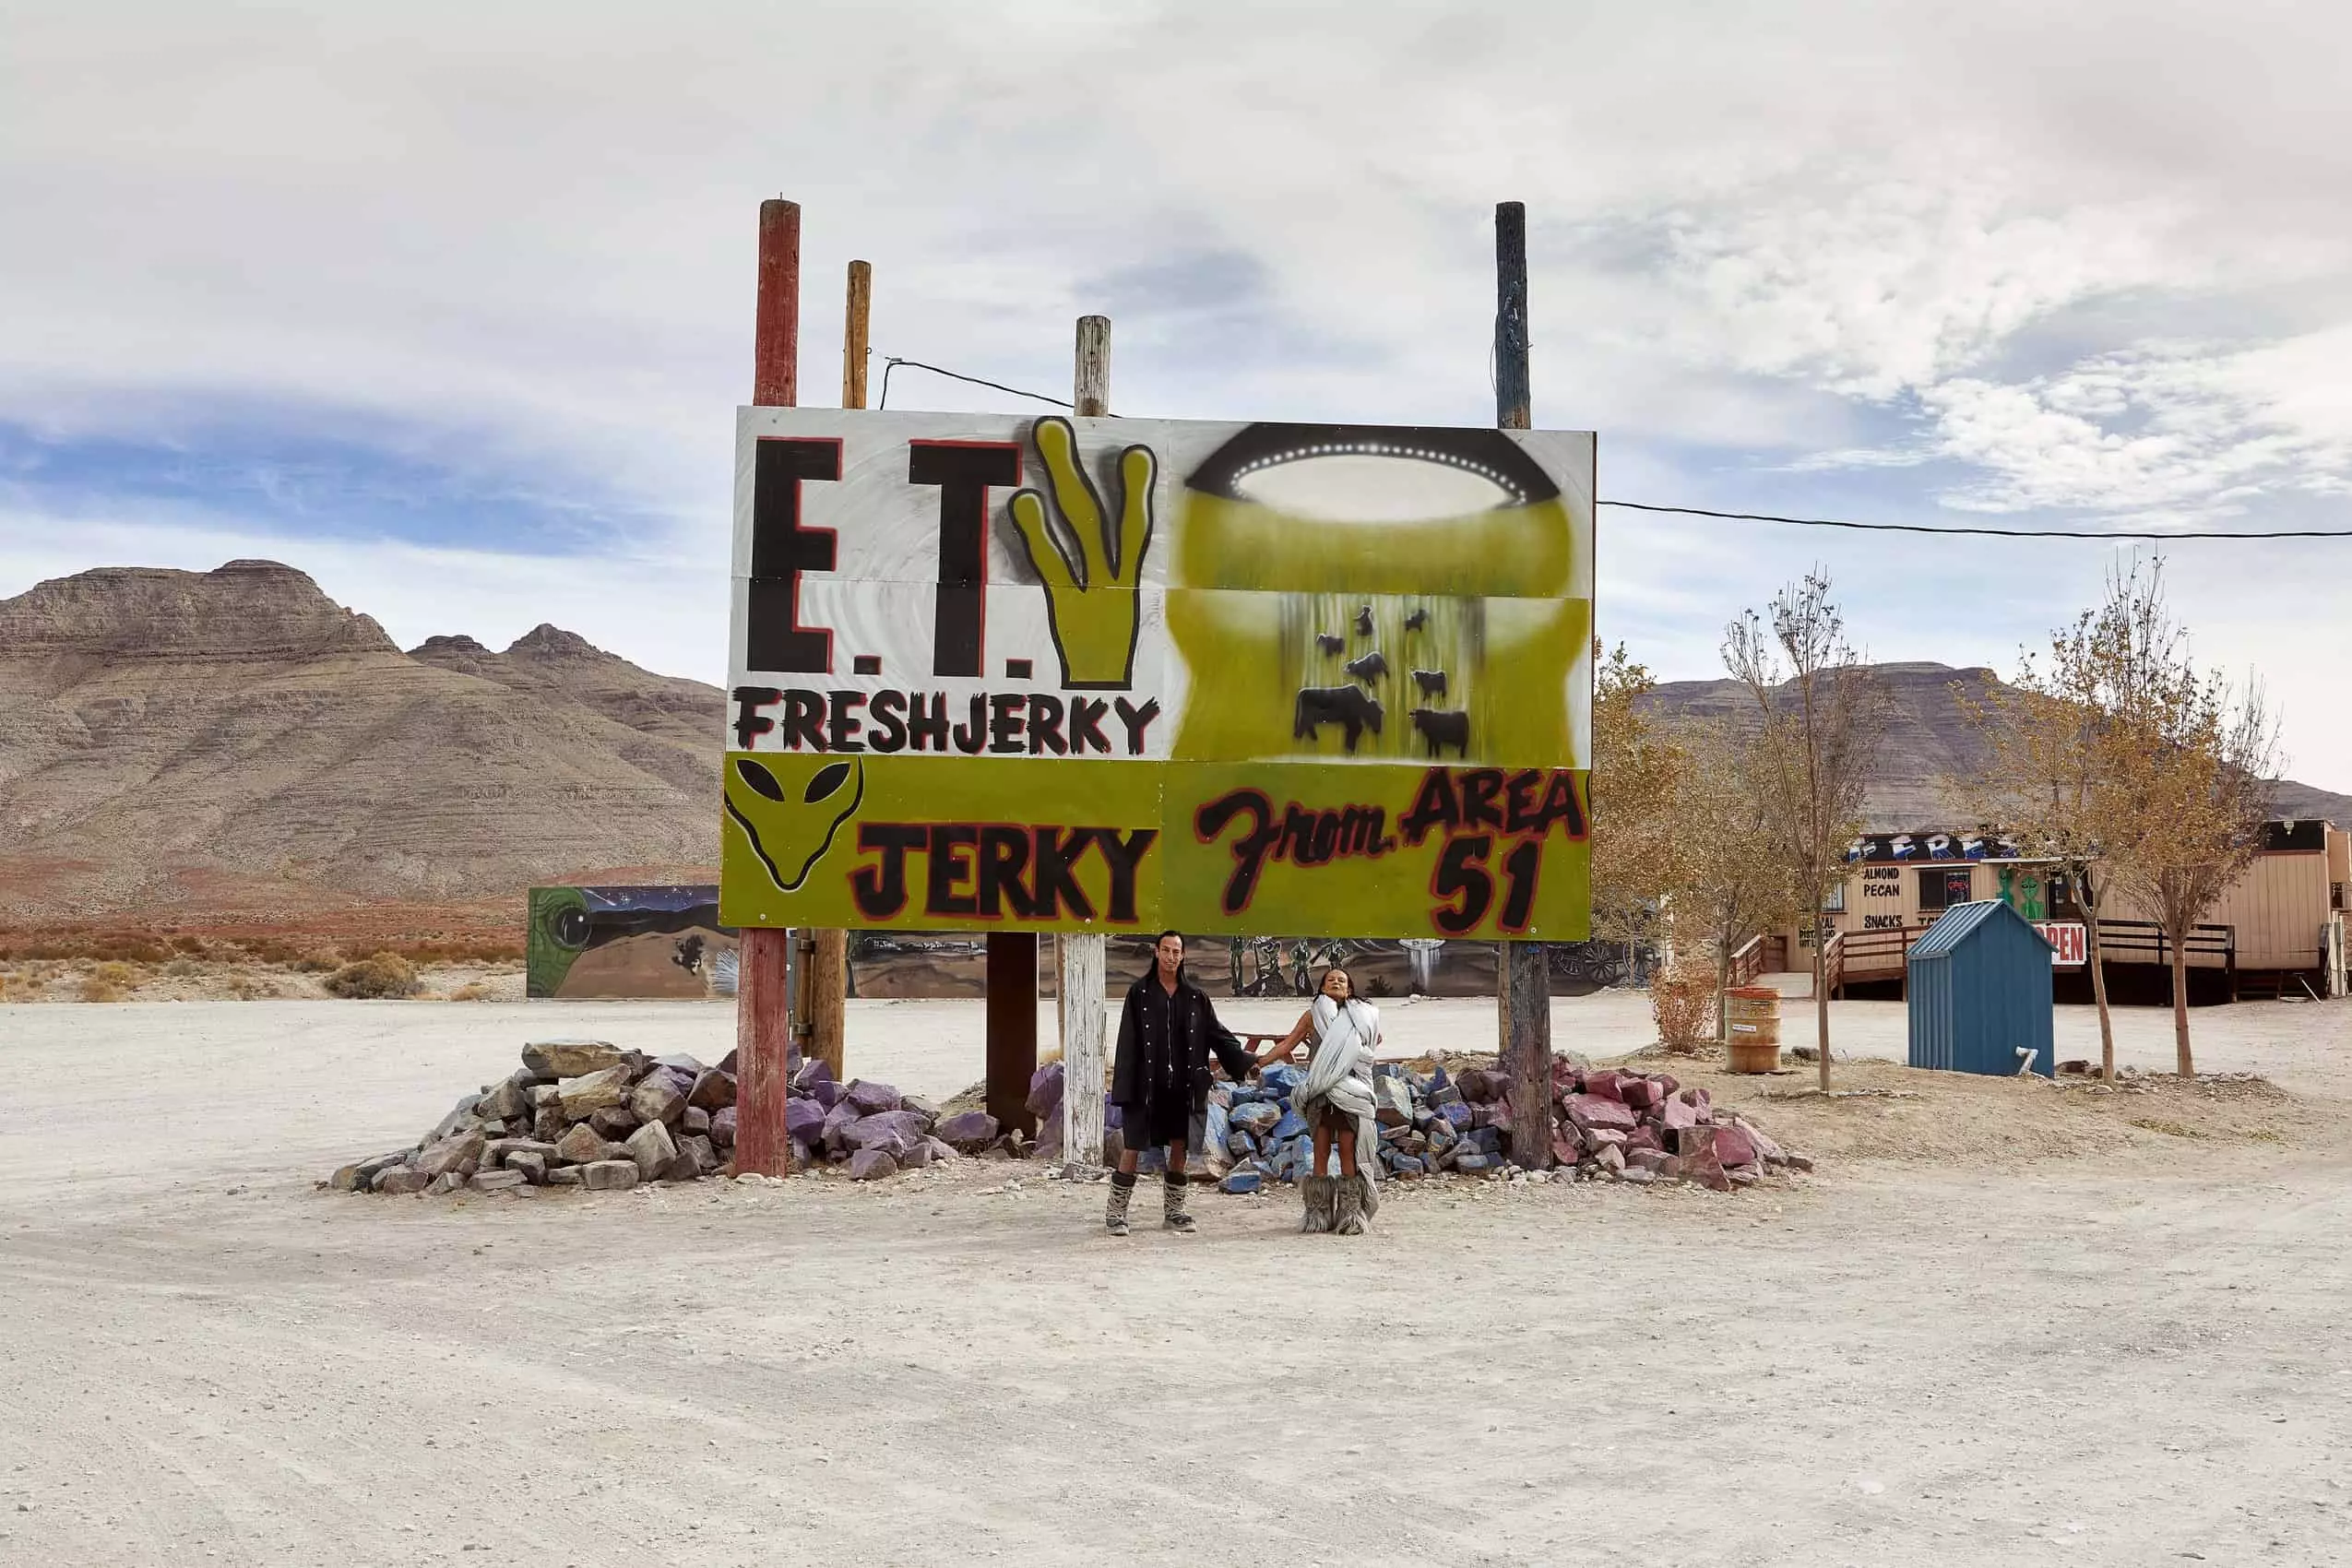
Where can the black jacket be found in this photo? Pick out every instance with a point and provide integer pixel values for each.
(1145, 1064)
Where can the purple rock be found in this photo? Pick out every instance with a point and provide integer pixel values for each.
(712, 1091)
(939, 1151)
(837, 1122)
(871, 1165)
(812, 1072)
(826, 1092)
(1045, 1091)
(722, 1127)
(896, 1132)
(871, 1099)
(969, 1132)
(803, 1119)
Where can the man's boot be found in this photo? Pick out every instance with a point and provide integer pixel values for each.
(1320, 1197)
(1349, 1219)
(1172, 1213)
(1122, 1192)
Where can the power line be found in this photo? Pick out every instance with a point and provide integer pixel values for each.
(1992, 532)
(1958, 531)
(893, 363)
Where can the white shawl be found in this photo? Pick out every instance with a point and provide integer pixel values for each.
(1339, 1076)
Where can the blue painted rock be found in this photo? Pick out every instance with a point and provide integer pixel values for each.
(1242, 1181)
(1406, 1165)
(1240, 1145)
(1257, 1118)
(1281, 1079)
(1458, 1116)
(1473, 1163)
(1291, 1126)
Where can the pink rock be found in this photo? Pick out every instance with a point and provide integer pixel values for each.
(1734, 1146)
(1639, 1093)
(1677, 1114)
(1603, 1086)
(1643, 1137)
(1597, 1111)
(1602, 1137)
(1695, 1158)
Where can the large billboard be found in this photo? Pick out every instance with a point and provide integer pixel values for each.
(1048, 674)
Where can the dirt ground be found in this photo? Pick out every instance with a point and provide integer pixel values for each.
(1923, 1355)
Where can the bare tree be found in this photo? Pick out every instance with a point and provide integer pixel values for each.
(1636, 829)
(1814, 749)
(1733, 884)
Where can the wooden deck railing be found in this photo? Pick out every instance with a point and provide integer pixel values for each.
(1748, 962)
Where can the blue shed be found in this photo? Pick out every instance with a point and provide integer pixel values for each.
(1979, 988)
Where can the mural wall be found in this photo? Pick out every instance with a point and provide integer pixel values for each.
(627, 942)
(1110, 674)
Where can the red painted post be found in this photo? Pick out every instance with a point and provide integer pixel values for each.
(763, 1000)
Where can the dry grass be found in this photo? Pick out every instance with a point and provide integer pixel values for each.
(378, 976)
(1683, 1005)
(109, 981)
(472, 990)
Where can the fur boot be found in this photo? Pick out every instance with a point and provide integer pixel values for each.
(1320, 1196)
(1372, 1195)
(1349, 1220)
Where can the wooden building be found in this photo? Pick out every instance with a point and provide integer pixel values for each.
(2279, 931)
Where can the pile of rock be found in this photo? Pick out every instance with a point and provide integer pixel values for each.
(586, 1113)
(1605, 1123)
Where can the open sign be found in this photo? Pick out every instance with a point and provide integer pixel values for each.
(2069, 941)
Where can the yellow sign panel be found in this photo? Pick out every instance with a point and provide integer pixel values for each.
(974, 842)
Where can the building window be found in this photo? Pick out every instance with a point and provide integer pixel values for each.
(1835, 903)
(1943, 887)
(2063, 903)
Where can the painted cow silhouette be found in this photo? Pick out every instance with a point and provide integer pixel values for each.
(687, 952)
(1369, 668)
(1364, 622)
(1328, 643)
(1334, 705)
(1417, 619)
(1431, 681)
(1441, 728)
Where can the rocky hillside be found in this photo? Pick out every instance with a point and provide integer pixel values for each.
(234, 739)
(1930, 743)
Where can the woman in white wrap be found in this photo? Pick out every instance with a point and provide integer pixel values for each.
(1335, 1100)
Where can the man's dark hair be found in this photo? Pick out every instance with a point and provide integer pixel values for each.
(1165, 935)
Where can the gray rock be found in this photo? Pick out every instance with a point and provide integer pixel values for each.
(1394, 1102)
(492, 1129)
(496, 1181)
(570, 1058)
(920, 1106)
(549, 1122)
(461, 1115)
(722, 1127)
(1637, 1176)
(685, 1065)
(679, 1167)
(500, 1152)
(567, 1176)
(652, 1148)
(969, 1132)
(939, 1151)
(608, 1175)
(363, 1174)
(584, 1145)
(540, 1094)
(713, 1090)
(581, 1097)
(614, 1121)
(460, 1156)
(507, 1102)
(400, 1179)
(533, 1166)
(658, 1099)
(695, 1122)
(871, 1165)
(916, 1157)
(705, 1156)
(446, 1182)
(871, 1098)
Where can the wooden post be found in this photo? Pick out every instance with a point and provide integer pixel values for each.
(1012, 1028)
(853, 342)
(763, 991)
(824, 985)
(1524, 994)
(1080, 957)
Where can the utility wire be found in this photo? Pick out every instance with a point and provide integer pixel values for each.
(1963, 530)
(893, 363)
(1996, 533)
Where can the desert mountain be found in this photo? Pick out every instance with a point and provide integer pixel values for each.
(233, 739)
(1929, 744)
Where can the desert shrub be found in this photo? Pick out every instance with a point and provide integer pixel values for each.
(109, 981)
(133, 947)
(385, 974)
(472, 990)
(318, 960)
(183, 968)
(188, 945)
(244, 988)
(1683, 1005)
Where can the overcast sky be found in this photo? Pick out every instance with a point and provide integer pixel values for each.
(450, 305)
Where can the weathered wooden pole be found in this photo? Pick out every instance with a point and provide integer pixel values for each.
(762, 986)
(1524, 994)
(854, 346)
(1080, 957)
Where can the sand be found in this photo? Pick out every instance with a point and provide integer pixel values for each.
(2135, 1356)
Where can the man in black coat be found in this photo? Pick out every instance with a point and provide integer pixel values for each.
(1167, 1033)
